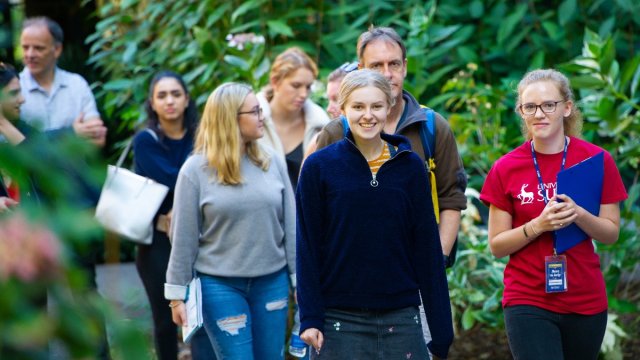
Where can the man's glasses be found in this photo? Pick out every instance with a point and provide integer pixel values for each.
(349, 66)
(256, 111)
(547, 107)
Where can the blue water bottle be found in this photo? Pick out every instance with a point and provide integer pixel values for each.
(297, 347)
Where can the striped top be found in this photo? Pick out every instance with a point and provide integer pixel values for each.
(385, 155)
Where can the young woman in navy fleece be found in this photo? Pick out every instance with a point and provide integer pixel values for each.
(367, 241)
(159, 152)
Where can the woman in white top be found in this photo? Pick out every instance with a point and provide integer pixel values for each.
(291, 118)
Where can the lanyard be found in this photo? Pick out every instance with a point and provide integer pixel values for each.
(544, 193)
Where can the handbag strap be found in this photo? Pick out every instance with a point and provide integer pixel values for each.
(125, 152)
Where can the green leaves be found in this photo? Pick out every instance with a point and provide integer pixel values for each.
(118, 85)
(587, 82)
(610, 101)
(508, 25)
(277, 27)
(475, 282)
(468, 318)
(244, 8)
(129, 52)
(566, 11)
(476, 9)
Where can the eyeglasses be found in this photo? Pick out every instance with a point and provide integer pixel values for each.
(349, 66)
(547, 107)
(256, 111)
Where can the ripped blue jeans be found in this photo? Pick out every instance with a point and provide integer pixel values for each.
(245, 318)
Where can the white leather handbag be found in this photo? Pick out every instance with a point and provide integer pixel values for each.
(128, 202)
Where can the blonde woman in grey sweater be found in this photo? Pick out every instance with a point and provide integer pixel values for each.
(234, 226)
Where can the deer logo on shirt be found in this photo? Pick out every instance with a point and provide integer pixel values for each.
(526, 197)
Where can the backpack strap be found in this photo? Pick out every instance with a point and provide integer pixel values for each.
(428, 134)
(345, 125)
(428, 139)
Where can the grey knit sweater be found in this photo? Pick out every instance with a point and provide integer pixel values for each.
(246, 230)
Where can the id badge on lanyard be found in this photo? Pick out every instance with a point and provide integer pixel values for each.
(555, 273)
(555, 266)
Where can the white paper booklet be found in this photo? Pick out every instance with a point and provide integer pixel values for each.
(194, 310)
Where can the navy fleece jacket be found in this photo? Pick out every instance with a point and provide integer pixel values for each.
(161, 160)
(369, 247)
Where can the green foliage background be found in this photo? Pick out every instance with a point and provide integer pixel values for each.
(464, 57)
(464, 60)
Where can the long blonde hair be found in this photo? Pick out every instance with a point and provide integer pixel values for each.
(573, 122)
(218, 136)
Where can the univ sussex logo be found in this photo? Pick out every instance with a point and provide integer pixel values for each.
(527, 197)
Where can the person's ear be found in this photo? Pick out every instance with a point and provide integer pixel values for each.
(273, 82)
(404, 63)
(568, 108)
(57, 50)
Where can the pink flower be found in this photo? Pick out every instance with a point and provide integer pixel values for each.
(238, 41)
(27, 251)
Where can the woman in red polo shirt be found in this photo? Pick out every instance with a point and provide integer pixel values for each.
(555, 305)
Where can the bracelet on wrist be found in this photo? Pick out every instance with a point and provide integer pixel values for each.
(534, 229)
(174, 303)
(524, 230)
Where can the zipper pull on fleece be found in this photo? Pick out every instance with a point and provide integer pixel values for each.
(374, 182)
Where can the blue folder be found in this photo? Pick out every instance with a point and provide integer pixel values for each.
(582, 183)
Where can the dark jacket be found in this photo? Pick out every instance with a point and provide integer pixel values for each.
(160, 159)
(451, 178)
(45, 154)
(369, 247)
(28, 191)
(3, 189)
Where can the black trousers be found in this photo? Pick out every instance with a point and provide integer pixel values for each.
(151, 262)
(535, 333)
